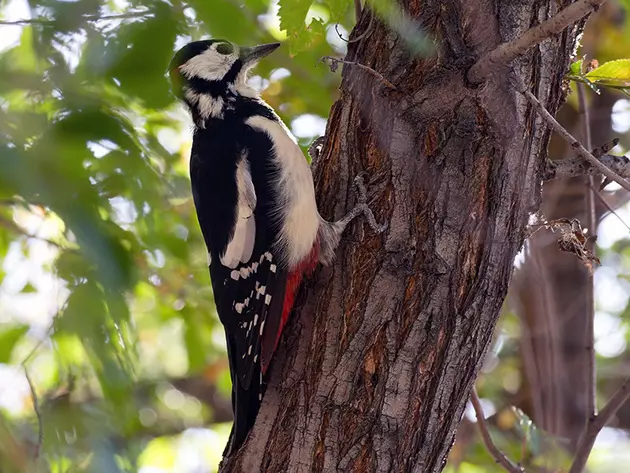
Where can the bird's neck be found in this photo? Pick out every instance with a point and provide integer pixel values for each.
(215, 99)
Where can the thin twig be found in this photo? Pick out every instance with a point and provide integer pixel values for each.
(40, 342)
(596, 424)
(591, 223)
(51, 22)
(497, 454)
(357, 10)
(507, 52)
(38, 414)
(575, 144)
(605, 148)
(367, 31)
(610, 209)
(334, 62)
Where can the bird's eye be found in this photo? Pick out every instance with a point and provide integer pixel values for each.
(225, 48)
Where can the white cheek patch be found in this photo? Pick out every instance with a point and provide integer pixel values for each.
(209, 65)
(241, 246)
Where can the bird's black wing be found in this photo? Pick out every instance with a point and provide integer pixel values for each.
(248, 294)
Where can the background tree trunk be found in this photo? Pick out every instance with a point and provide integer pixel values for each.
(555, 323)
(378, 363)
(554, 391)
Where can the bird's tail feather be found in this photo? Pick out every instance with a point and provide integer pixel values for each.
(245, 405)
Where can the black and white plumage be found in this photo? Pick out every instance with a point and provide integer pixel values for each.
(255, 201)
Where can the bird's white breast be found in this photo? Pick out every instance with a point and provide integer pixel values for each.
(300, 218)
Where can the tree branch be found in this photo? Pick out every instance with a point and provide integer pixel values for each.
(596, 424)
(507, 52)
(591, 223)
(610, 208)
(38, 413)
(497, 454)
(357, 10)
(575, 144)
(578, 166)
(334, 63)
(367, 31)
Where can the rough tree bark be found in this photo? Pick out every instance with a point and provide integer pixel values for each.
(378, 362)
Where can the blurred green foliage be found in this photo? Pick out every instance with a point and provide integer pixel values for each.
(105, 299)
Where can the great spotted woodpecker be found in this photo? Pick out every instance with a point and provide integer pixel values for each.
(255, 201)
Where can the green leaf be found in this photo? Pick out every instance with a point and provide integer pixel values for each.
(141, 54)
(28, 289)
(88, 316)
(195, 345)
(612, 73)
(307, 37)
(530, 432)
(242, 20)
(10, 335)
(292, 15)
(338, 9)
(576, 68)
(524, 421)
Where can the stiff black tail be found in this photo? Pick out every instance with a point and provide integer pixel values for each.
(245, 405)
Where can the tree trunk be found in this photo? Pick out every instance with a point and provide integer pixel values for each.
(378, 362)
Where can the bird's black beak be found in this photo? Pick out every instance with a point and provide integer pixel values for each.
(254, 54)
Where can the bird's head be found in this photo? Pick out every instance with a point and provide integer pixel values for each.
(214, 66)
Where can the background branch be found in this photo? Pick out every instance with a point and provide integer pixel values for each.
(591, 223)
(38, 413)
(578, 166)
(334, 62)
(497, 454)
(596, 423)
(507, 52)
(53, 22)
(575, 144)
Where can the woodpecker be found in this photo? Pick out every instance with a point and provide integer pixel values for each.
(255, 202)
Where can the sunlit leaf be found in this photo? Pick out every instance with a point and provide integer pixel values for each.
(10, 335)
(304, 38)
(338, 8)
(28, 289)
(612, 73)
(292, 15)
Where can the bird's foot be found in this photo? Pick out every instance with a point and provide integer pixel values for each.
(361, 207)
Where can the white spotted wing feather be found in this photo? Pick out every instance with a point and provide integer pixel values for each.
(252, 291)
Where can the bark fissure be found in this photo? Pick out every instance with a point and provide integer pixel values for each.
(379, 361)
